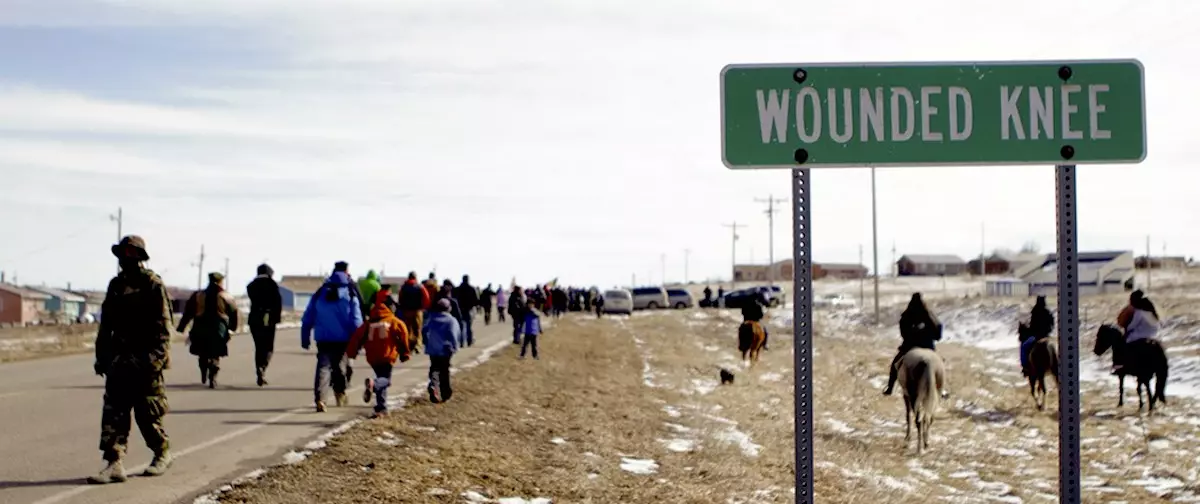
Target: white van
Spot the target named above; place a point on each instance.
(618, 301)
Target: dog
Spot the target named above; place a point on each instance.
(726, 377)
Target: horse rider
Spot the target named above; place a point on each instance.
(1041, 324)
(919, 329)
(1140, 321)
(753, 311)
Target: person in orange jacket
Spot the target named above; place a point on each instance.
(385, 338)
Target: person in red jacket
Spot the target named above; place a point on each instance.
(414, 300)
(386, 340)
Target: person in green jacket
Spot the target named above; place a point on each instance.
(368, 286)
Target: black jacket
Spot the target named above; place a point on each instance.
(1041, 323)
(266, 305)
(919, 331)
(486, 297)
(467, 297)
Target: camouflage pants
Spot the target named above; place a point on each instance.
(138, 389)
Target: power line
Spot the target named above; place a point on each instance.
(733, 258)
(771, 211)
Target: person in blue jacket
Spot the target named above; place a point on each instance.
(332, 316)
(439, 336)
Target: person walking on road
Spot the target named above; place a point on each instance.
(598, 302)
(368, 286)
(501, 303)
(331, 317)
(532, 328)
(486, 297)
(132, 350)
(266, 308)
(431, 286)
(414, 300)
(516, 310)
(447, 292)
(355, 294)
(385, 338)
(440, 336)
(468, 300)
(216, 317)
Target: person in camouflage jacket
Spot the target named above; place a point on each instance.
(132, 351)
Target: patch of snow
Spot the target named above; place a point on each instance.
(741, 439)
(672, 411)
(295, 457)
(964, 475)
(678, 428)
(250, 476)
(473, 496)
(558, 441)
(1160, 444)
(1158, 486)
(839, 426)
(679, 445)
(770, 377)
(592, 476)
(315, 445)
(704, 386)
(206, 499)
(639, 466)
(1009, 452)
(424, 428)
(437, 491)
(518, 500)
(435, 472)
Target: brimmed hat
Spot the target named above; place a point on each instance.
(131, 241)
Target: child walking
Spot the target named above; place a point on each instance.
(385, 338)
(532, 328)
(440, 333)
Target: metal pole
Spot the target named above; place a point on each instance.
(733, 255)
(686, 255)
(771, 200)
(227, 284)
(803, 327)
(1068, 338)
(1149, 263)
(862, 281)
(663, 258)
(875, 243)
(200, 270)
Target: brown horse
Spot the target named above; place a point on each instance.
(921, 376)
(750, 340)
(1043, 358)
(1142, 360)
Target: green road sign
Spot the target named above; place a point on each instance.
(915, 114)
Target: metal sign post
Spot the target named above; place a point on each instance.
(925, 114)
(802, 311)
(1068, 338)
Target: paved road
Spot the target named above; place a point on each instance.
(50, 419)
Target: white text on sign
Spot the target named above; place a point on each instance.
(1025, 112)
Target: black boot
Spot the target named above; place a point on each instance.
(891, 381)
(262, 379)
(212, 376)
(203, 372)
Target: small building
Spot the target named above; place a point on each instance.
(62, 306)
(296, 290)
(1099, 273)
(179, 297)
(1007, 287)
(930, 265)
(839, 271)
(1002, 263)
(1161, 262)
(21, 307)
(783, 271)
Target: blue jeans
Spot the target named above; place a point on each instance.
(330, 357)
(468, 335)
(383, 379)
(1026, 346)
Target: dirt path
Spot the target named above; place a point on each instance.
(630, 410)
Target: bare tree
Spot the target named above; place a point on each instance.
(1030, 247)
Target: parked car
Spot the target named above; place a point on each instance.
(778, 297)
(738, 298)
(650, 298)
(834, 301)
(618, 301)
(680, 298)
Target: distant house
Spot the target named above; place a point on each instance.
(763, 272)
(62, 305)
(1003, 263)
(20, 306)
(839, 271)
(931, 265)
(1161, 262)
(93, 301)
(296, 290)
(1098, 273)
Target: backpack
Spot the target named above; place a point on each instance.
(411, 297)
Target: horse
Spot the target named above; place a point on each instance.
(750, 340)
(1043, 358)
(1141, 361)
(921, 377)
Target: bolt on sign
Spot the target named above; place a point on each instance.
(918, 114)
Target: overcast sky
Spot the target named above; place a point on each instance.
(529, 138)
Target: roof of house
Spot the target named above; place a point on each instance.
(58, 293)
(840, 266)
(1104, 256)
(304, 284)
(25, 293)
(933, 259)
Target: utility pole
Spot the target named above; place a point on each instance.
(686, 255)
(862, 281)
(983, 251)
(875, 243)
(118, 218)
(771, 211)
(663, 258)
(227, 284)
(1149, 263)
(200, 270)
(733, 257)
